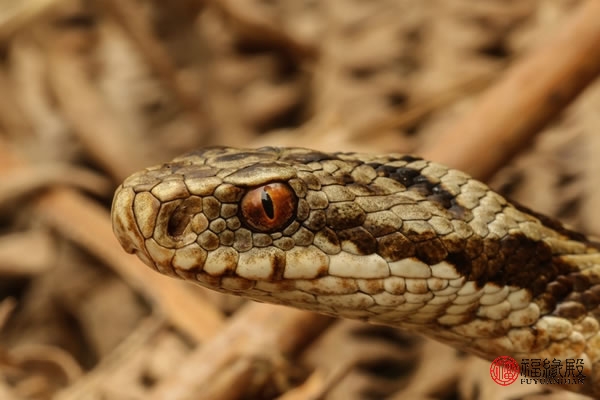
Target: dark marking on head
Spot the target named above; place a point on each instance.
(591, 297)
(419, 236)
(413, 179)
(523, 262)
(427, 187)
(431, 251)
(331, 236)
(441, 196)
(526, 263)
(558, 289)
(255, 155)
(346, 178)
(408, 158)
(316, 220)
(308, 157)
(585, 290)
(557, 226)
(454, 244)
(571, 310)
(365, 189)
(580, 281)
(380, 228)
(361, 238)
(278, 270)
(405, 176)
(174, 166)
(344, 215)
(395, 246)
(514, 260)
(199, 173)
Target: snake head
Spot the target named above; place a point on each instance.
(371, 237)
(196, 216)
(309, 226)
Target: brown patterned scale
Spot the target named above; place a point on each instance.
(391, 239)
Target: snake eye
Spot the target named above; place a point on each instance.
(269, 207)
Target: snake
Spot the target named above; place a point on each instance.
(390, 239)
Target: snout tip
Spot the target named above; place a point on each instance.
(124, 223)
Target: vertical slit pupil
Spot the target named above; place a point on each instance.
(267, 204)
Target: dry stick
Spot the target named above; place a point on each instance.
(7, 306)
(117, 361)
(26, 180)
(527, 97)
(17, 15)
(244, 354)
(318, 385)
(419, 110)
(88, 224)
(13, 119)
(131, 19)
(254, 26)
(17, 258)
(6, 392)
(90, 116)
(425, 380)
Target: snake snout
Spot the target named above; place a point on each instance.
(125, 225)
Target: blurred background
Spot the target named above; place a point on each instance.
(93, 90)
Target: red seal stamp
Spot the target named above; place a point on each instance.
(504, 370)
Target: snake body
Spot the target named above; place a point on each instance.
(390, 239)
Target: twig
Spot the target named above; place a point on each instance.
(16, 15)
(528, 96)
(136, 342)
(24, 181)
(94, 123)
(157, 56)
(243, 354)
(255, 26)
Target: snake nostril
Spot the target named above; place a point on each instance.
(177, 223)
(182, 215)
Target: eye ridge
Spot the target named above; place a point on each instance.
(268, 208)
